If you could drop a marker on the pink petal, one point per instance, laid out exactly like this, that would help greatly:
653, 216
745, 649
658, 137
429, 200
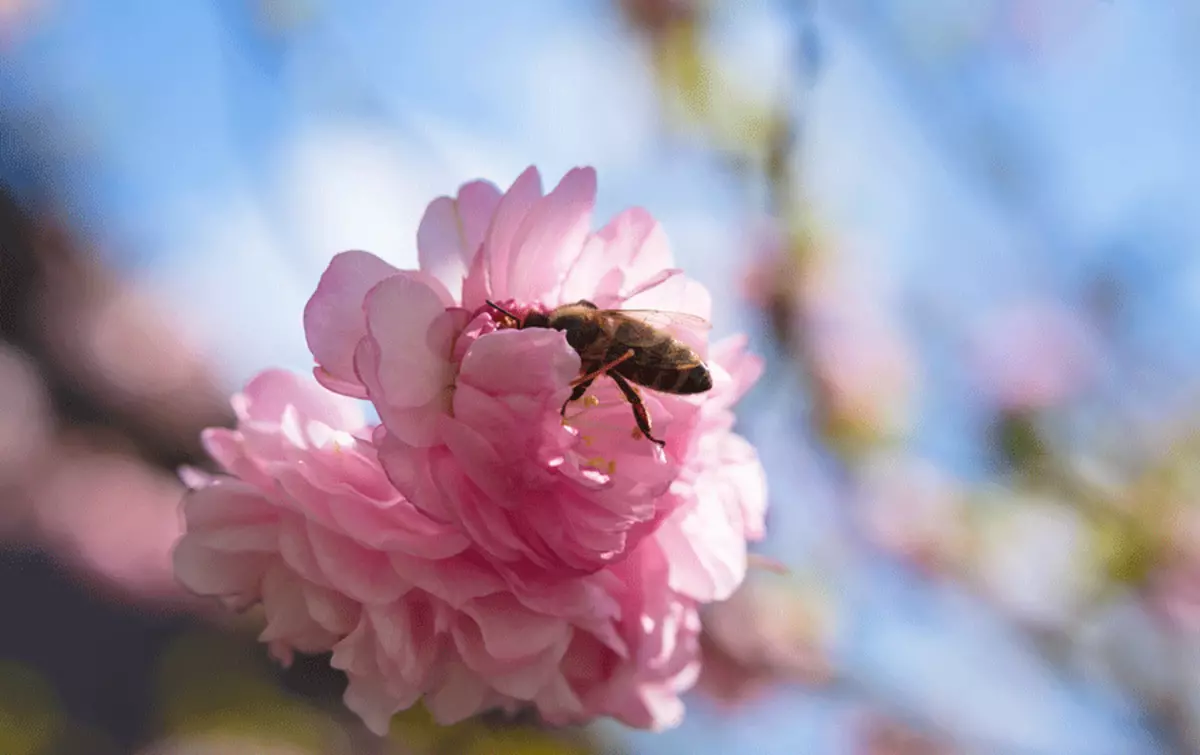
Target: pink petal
408, 636
551, 237
476, 288
454, 580
204, 571
194, 478
708, 556
521, 678
357, 653
331, 609
373, 701
746, 483
271, 392
333, 317
632, 243
520, 361
460, 695
396, 525
511, 631
288, 619
409, 427
745, 369
452, 231
297, 550
363, 574
510, 214
353, 389
407, 371
231, 516
674, 294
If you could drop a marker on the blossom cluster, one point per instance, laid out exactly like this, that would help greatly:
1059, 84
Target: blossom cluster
480, 548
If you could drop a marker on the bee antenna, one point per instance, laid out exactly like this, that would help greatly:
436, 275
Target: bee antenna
502, 310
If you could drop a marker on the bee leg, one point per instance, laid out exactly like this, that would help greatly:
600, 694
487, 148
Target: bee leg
577, 394
640, 415
588, 377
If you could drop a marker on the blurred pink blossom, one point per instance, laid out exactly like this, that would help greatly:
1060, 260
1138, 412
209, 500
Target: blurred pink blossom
863, 363
26, 421
1033, 356
519, 559
110, 515
120, 342
16, 16
912, 509
1174, 588
772, 631
879, 734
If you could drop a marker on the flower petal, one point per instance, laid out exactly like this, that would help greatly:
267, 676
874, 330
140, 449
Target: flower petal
551, 237
452, 231
205, 571
632, 244
520, 361
410, 370
271, 392
333, 317
510, 214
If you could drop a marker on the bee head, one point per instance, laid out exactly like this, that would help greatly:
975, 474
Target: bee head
535, 319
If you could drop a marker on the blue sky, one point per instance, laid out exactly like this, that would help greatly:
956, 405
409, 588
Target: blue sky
222, 164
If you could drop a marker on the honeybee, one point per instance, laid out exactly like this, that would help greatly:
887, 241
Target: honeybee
630, 346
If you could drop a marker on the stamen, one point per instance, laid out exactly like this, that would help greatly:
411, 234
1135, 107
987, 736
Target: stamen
590, 401
599, 463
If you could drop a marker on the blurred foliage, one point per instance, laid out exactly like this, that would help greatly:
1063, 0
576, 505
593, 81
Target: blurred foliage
212, 683
30, 718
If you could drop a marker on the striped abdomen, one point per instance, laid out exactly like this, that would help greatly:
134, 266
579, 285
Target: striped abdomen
684, 380
668, 366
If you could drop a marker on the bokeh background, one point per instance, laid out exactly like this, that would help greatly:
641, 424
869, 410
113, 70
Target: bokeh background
963, 233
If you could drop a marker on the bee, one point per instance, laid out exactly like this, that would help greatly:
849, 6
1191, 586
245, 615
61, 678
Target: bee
630, 346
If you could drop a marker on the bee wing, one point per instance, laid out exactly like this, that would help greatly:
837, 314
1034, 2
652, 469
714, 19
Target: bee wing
665, 320
691, 330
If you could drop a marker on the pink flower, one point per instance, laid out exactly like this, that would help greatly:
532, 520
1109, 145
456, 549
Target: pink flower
1173, 589
772, 631
475, 549
912, 509
864, 366
112, 517
1034, 356
875, 733
26, 422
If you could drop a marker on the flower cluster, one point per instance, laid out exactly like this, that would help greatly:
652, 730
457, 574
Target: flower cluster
479, 548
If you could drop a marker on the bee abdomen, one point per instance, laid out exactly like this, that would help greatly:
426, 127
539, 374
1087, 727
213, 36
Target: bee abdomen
684, 381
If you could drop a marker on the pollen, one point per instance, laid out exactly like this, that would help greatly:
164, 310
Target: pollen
590, 400
609, 466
